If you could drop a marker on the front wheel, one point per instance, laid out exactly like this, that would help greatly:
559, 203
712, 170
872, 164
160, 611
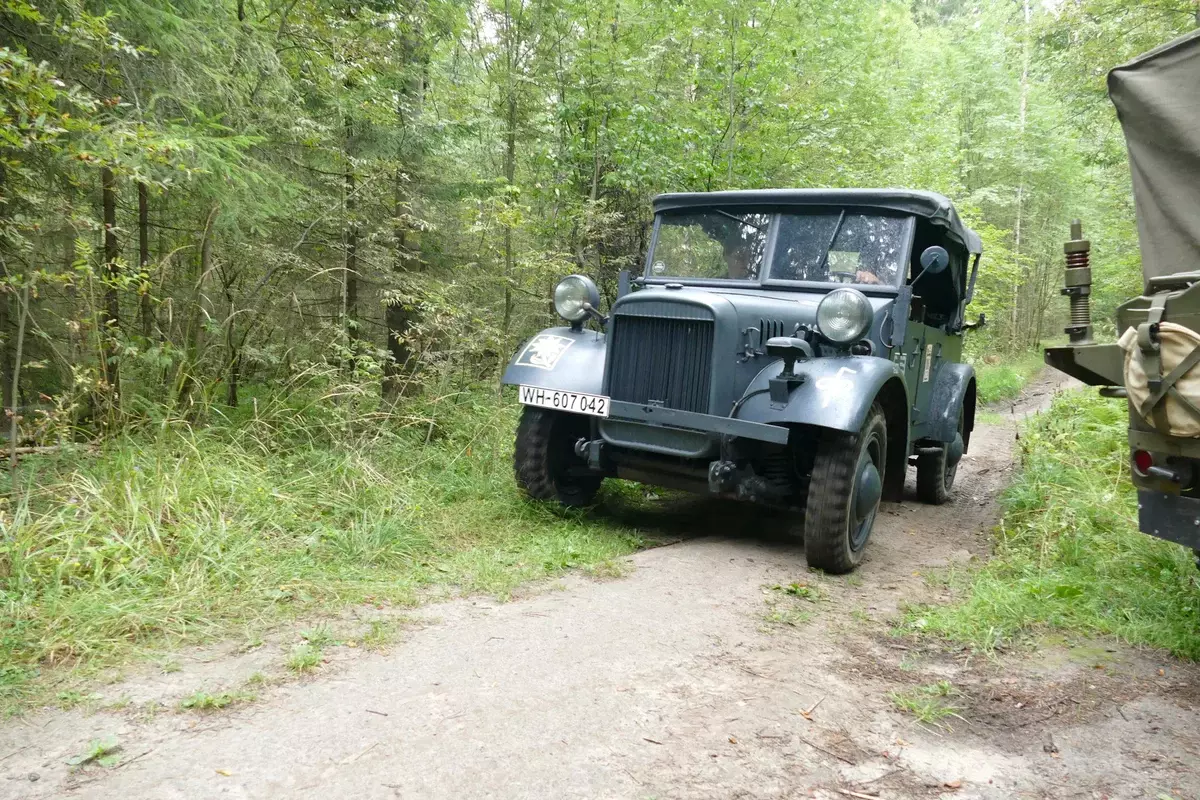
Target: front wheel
544, 458
844, 495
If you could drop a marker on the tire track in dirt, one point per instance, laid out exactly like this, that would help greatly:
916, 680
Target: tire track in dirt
682, 679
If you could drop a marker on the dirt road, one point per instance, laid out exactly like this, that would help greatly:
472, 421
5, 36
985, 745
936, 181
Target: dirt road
689, 676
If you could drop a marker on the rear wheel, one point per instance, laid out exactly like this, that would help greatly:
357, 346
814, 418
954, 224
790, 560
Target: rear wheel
544, 459
937, 469
844, 494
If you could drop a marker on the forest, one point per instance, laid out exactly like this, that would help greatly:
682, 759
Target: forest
262, 261
202, 197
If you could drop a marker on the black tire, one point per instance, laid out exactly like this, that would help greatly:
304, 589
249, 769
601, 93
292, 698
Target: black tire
835, 532
935, 473
545, 454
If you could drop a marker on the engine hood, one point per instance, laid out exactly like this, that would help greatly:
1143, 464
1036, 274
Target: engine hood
742, 307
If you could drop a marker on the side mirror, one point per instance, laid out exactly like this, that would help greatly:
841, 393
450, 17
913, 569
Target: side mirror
934, 260
977, 324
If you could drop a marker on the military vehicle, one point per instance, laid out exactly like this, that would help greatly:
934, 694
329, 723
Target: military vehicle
798, 348
1157, 97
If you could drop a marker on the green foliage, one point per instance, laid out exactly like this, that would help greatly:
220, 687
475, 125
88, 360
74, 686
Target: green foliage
204, 701
316, 206
380, 634
1069, 556
176, 534
405, 181
303, 658
1005, 379
931, 704
102, 752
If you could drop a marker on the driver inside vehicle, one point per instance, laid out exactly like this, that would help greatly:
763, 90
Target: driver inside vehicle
841, 248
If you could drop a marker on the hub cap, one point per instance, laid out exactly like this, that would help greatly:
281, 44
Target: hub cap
868, 489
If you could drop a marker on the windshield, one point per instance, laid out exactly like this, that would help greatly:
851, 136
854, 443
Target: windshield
835, 246
843, 247
710, 243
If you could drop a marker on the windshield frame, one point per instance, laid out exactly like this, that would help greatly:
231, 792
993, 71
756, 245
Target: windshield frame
765, 280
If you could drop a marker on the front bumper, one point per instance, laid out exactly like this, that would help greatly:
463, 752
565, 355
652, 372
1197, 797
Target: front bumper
690, 421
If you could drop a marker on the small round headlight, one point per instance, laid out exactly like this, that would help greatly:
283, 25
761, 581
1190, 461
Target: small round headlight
844, 316
571, 295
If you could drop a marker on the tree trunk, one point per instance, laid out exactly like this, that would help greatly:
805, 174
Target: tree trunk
233, 372
146, 312
111, 319
732, 100
14, 433
194, 334
510, 171
7, 393
1015, 337
400, 314
350, 272
397, 314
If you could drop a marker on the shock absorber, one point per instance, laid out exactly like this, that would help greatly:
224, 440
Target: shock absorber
1078, 285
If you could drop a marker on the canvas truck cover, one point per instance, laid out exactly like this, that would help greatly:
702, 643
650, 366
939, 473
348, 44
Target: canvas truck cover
1157, 97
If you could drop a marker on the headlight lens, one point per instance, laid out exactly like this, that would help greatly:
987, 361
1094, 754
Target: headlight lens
844, 316
571, 294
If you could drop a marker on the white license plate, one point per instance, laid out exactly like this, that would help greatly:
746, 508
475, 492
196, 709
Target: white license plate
574, 402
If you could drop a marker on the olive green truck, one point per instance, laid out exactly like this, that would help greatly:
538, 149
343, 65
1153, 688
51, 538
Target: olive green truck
1154, 362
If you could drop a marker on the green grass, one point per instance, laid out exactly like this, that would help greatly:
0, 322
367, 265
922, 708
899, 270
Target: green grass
319, 636
930, 704
1004, 381
790, 616
1068, 555
204, 701
103, 752
380, 634
177, 534
303, 658
792, 604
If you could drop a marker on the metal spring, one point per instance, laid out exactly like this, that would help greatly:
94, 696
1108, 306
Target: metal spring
1080, 312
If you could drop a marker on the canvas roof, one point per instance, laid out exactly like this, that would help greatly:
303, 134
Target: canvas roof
930, 205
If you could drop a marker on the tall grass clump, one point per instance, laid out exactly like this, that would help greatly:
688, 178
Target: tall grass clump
1068, 554
1005, 379
310, 498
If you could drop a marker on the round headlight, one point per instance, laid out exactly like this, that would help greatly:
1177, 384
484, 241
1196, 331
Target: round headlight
572, 294
844, 316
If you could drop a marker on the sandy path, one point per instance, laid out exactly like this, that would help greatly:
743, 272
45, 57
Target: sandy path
669, 682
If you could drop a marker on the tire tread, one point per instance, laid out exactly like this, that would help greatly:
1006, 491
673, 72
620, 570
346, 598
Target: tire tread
531, 460
826, 543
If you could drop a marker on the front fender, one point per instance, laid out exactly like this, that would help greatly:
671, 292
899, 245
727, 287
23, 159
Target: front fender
562, 359
836, 393
953, 392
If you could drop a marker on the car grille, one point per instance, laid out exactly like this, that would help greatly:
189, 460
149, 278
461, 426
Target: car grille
661, 354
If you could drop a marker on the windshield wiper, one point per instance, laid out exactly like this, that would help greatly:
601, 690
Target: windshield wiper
829, 247
746, 222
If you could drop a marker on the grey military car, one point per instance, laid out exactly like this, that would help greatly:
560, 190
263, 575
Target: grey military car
796, 348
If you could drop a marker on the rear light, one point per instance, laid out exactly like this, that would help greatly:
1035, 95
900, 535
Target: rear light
1142, 461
